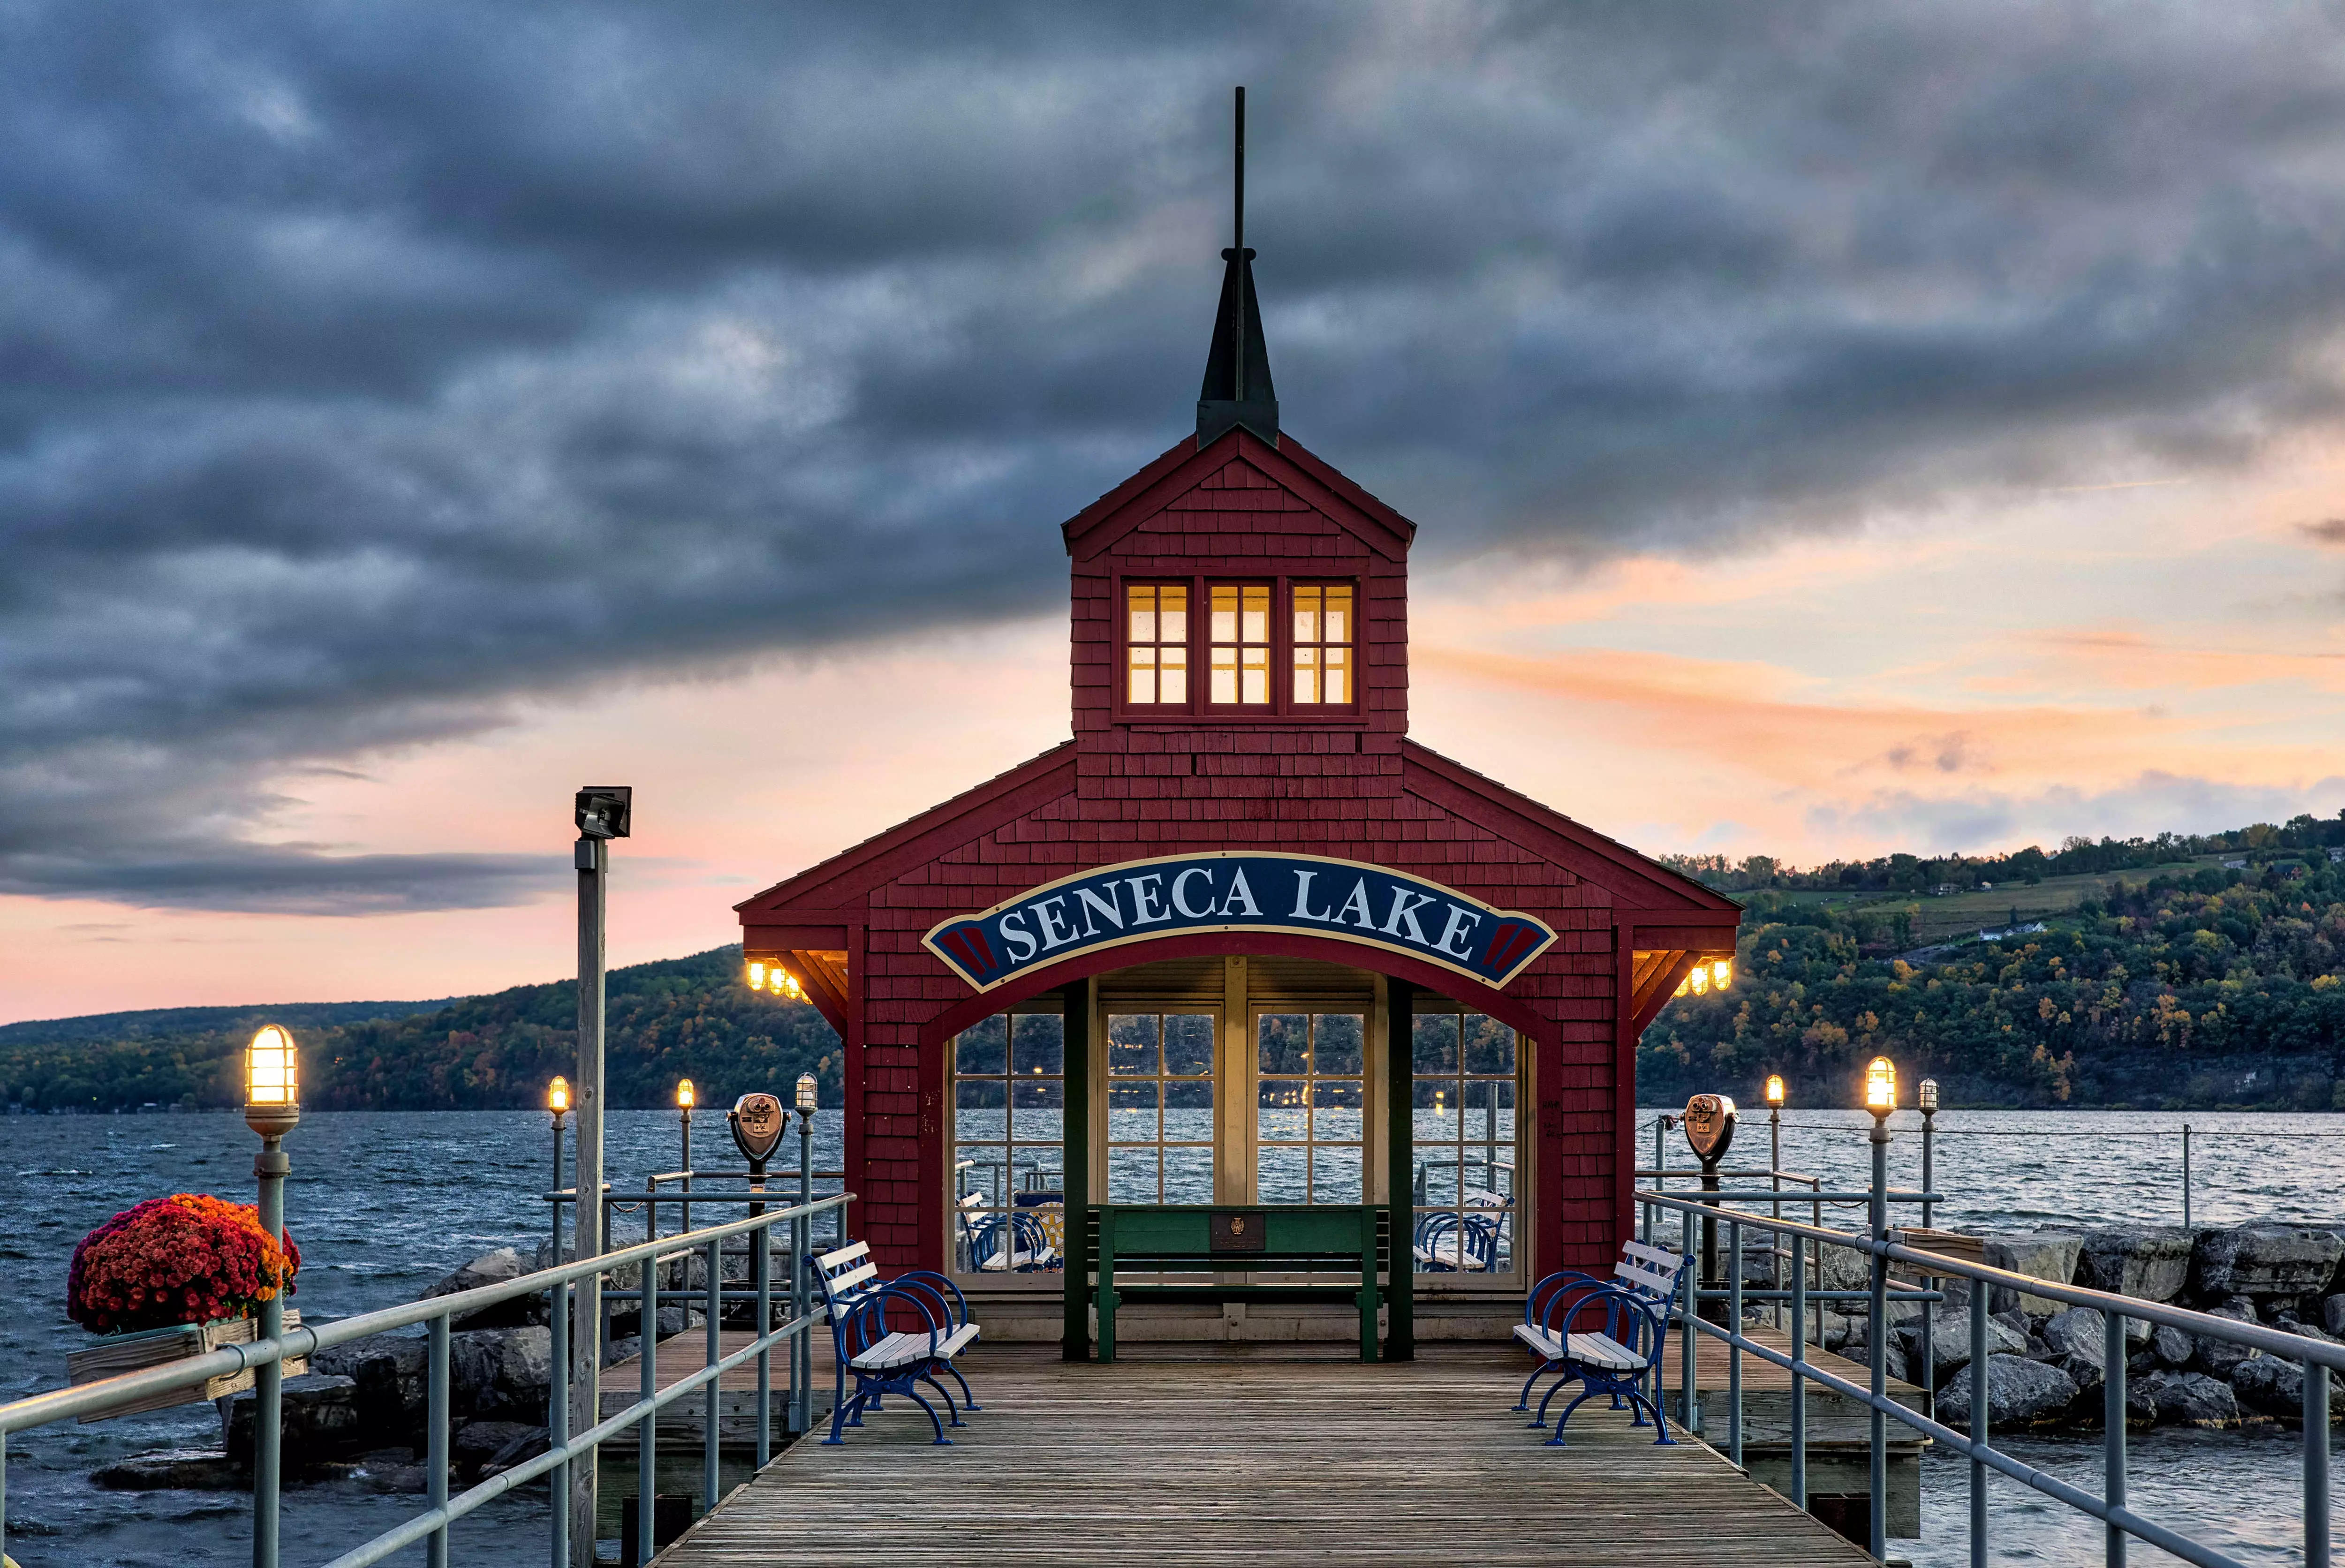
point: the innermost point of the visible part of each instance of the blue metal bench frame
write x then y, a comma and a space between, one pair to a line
857, 1303
1477, 1235
1636, 1273
1631, 1323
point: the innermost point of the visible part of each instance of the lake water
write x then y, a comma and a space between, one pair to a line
383, 1204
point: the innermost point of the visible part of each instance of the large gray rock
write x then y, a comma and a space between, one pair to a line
500, 1372
2171, 1346
494, 1267
2079, 1330
320, 1422
175, 1469
2019, 1393
2045, 1255
2221, 1358
2275, 1387
392, 1374
2265, 1259
2332, 1314
2151, 1262
1860, 1350
1950, 1343
2185, 1399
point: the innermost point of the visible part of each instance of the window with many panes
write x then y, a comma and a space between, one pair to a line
1009, 1101
1310, 1107
1160, 1108
1156, 642
1464, 1071
1240, 632
1322, 643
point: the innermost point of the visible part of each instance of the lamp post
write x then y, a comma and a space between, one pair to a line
1881, 1100
557, 1100
603, 813
1925, 1096
272, 1107
1774, 1097
801, 1240
684, 1098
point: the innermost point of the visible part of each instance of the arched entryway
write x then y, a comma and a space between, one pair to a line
1238, 1079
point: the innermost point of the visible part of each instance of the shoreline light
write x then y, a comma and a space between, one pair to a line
1880, 1086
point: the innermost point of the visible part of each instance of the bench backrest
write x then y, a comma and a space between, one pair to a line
1648, 1269
847, 1277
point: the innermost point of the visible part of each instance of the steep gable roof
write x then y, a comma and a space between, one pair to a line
1289, 465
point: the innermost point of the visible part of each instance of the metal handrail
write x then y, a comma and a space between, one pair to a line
2315, 1357
95, 1398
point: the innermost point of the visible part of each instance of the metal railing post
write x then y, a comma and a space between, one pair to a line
647, 1385
761, 1274
557, 1415
270, 1167
1980, 1412
2113, 1440
2185, 1176
2316, 1465
1688, 1416
709, 1479
1734, 1345
435, 1439
801, 1243
1876, 1334
1799, 1379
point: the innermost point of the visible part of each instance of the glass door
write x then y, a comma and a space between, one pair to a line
1311, 1106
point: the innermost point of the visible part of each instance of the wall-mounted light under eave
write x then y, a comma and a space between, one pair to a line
1701, 977
774, 978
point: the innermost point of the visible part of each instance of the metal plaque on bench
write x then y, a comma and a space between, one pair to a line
1238, 1229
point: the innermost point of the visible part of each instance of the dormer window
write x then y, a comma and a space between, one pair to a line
1284, 649
1241, 645
1156, 643
1323, 644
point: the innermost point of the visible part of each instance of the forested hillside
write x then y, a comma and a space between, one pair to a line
2207, 985
681, 1017
2171, 972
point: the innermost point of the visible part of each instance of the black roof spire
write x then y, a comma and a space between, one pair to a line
1237, 391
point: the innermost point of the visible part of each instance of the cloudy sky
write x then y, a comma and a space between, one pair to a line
1832, 428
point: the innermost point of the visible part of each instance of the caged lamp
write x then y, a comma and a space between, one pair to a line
1881, 1087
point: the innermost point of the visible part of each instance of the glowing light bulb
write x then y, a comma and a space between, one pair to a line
557, 1096
1721, 972
1701, 979
271, 1071
683, 1094
1774, 1088
757, 977
1880, 1086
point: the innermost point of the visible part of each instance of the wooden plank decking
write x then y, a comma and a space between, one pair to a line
1213, 1457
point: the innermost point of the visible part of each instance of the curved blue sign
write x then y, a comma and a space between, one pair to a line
1234, 890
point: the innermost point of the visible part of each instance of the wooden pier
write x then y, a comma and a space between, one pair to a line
1214, 1457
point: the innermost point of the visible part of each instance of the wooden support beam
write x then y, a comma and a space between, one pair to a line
1075, 1167
1400, 1166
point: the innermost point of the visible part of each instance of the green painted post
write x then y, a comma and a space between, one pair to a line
1400, 1003
1075, 1167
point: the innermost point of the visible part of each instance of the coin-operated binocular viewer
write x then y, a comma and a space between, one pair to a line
1709, 1124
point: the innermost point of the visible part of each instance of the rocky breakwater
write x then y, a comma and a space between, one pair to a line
358, 1415
2045, 1359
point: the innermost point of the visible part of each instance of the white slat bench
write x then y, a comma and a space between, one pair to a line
1646, 1274
886, 1360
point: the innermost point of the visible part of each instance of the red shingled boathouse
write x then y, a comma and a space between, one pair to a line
1240, 941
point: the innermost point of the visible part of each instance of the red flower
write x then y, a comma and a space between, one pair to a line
184, 1258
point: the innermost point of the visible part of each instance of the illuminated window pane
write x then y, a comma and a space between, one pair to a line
1323, 638
1156, 635
1008, 1098
1240, 625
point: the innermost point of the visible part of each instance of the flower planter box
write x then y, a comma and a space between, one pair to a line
118, 1353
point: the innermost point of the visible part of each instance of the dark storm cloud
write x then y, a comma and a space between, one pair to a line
363, 367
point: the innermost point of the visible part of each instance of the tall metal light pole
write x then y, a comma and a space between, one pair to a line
684, 1099
1881, 1100
603, 813
272, 1106
801, 1240
1775, 1097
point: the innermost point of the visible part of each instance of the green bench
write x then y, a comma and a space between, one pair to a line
1202, 1238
